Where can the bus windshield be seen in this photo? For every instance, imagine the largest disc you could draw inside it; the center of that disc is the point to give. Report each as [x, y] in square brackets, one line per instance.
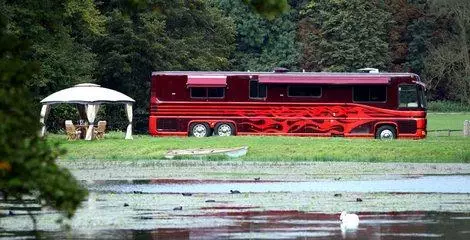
[422, 97]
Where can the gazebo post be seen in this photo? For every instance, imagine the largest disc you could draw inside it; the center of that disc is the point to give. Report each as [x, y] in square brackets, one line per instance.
[44, 112]
[129, 117]
[91, 111]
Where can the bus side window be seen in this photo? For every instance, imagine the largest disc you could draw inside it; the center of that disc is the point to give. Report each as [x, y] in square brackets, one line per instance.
[211, 92]
[198, 92]
[257, 90]
[217, 92]
[370, 94]
[304, 91]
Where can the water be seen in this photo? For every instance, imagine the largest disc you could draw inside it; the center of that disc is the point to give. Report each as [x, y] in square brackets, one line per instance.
[294, 225]
[427, 207]
[427, 184]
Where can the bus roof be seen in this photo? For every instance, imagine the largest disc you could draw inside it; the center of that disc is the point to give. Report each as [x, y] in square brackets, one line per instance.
[293, 74]
[295, 77]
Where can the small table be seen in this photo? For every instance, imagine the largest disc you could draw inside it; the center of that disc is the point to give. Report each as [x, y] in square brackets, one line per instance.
[82, 128]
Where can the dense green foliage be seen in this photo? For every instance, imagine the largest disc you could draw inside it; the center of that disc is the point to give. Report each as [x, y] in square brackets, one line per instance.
[448, 106]
[268, 8]
[263, 44]
[161, 36]
[27, 163]
[119, 43]
[58, 31]
[345, 35]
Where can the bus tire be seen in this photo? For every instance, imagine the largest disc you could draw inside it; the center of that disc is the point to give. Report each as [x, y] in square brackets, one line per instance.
[199, 130]
[224, 129]
[386, 132]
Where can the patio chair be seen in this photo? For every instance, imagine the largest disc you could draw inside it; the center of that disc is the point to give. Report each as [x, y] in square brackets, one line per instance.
[100, 129]
[72, 132]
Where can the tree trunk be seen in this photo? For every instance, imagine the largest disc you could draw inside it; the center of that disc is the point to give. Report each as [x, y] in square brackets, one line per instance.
[461, 21]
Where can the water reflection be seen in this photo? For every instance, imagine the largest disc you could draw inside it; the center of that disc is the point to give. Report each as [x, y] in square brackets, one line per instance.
[348, 233]
[294, 225]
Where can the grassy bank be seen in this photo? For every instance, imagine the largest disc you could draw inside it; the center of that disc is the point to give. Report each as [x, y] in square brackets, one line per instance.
[432, 149]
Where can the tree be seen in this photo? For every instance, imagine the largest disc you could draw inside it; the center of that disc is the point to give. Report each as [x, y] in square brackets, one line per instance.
[403, 13]
[420, 35]
[59, 33]
[263, 44]
[344, 35]
[27, 163]
[157, 36]
[268, 8]
[448, 63]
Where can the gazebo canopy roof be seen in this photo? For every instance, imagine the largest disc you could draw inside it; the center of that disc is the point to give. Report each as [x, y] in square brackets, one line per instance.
[87, 93]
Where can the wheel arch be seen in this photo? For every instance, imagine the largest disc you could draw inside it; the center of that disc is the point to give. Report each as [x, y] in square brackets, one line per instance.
[380, 124]
[235, 129]
[190, 123]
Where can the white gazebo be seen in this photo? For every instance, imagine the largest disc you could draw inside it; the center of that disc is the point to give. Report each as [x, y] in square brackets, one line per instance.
[91, 96]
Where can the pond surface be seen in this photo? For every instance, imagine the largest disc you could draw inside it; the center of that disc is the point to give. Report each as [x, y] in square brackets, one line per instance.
[425, 184]
[418, 207]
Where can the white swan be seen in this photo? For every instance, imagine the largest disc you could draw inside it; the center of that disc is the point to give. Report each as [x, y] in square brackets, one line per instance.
[349, 221]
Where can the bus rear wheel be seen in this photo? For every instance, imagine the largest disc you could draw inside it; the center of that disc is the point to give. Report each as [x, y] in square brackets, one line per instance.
[199, 130]
[386, 132]
[224, 129]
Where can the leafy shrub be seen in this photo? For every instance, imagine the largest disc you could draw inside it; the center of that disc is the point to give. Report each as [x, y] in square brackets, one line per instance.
[27, 162]
[448, 106]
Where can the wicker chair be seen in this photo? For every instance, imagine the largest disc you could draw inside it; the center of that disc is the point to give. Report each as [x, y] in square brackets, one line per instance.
[100, 129]
[72, 132]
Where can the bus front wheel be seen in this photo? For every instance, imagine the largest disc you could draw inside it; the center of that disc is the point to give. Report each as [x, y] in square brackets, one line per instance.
[224, 129]
[199, 130]
[386, 132]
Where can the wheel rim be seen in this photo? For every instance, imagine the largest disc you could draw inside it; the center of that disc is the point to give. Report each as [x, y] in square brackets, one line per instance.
[224, 130]
[386, 134]
[199, 130]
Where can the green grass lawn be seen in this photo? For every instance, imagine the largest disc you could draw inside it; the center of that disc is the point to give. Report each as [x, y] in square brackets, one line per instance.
[431, 149]
[438, 121]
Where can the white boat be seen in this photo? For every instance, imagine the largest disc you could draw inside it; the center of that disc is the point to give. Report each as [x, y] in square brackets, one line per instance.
[230, 152]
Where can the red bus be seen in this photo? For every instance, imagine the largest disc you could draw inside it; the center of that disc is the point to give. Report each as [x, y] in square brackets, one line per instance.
[201, 104]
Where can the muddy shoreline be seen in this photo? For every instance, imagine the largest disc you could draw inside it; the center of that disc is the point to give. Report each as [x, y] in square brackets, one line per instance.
[246, 170]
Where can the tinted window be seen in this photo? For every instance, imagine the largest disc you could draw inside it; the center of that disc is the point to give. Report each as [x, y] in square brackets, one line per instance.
[215, 92]
[257, 90]
[253, 89]
[198, 92]
[262, 89]
[304, 91]
[370, 94]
